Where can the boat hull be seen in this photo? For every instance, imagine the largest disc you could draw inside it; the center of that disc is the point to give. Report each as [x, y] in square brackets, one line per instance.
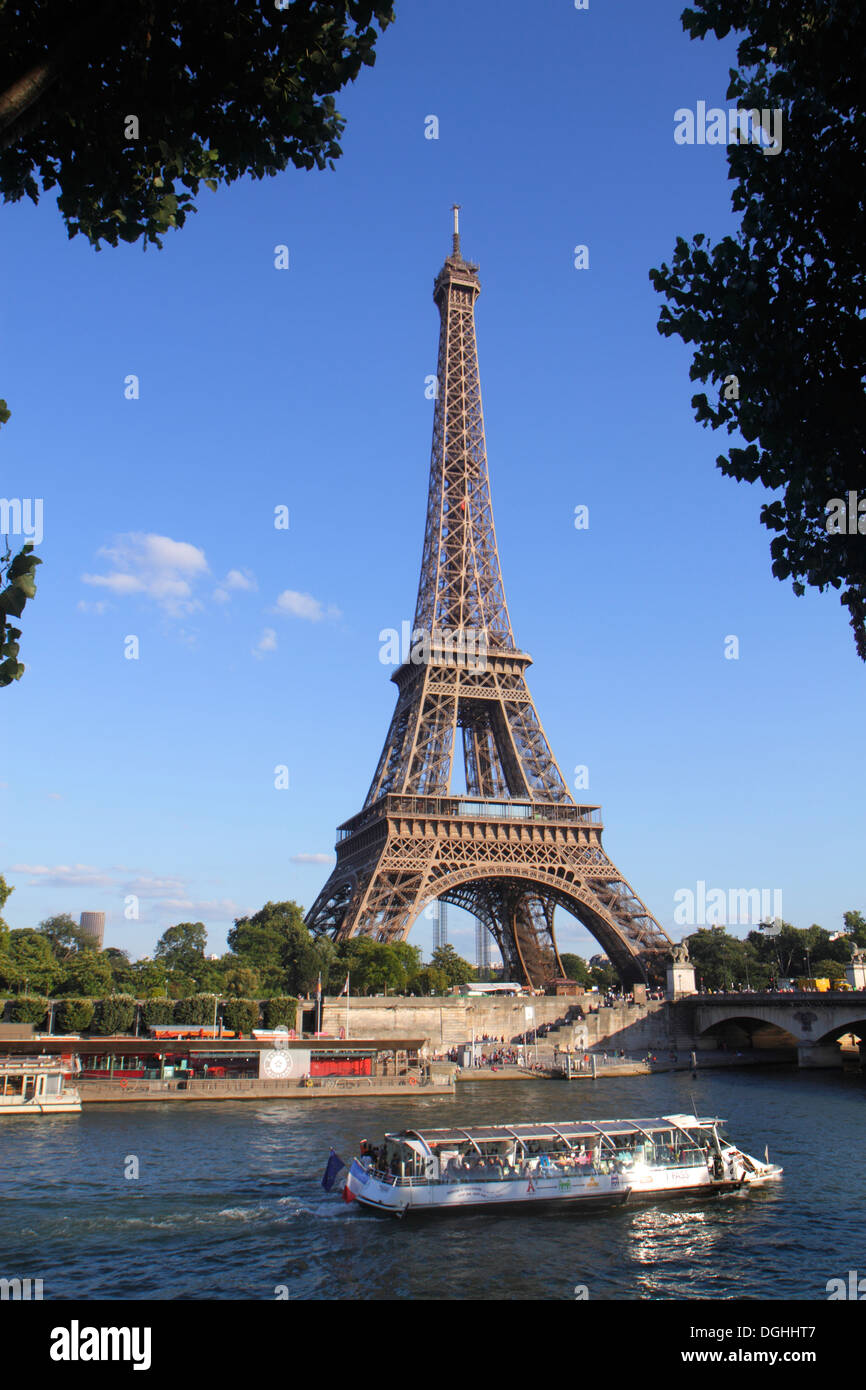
[41, 1107]
[538, 1194]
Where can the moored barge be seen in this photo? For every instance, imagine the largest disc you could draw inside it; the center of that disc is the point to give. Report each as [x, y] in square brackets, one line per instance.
[36, 1086]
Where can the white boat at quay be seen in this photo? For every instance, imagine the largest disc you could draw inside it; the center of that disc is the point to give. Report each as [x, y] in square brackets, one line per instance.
[36, 1086]
[577, 1164]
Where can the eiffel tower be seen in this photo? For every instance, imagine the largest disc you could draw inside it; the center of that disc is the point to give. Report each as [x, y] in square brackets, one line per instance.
[513, 845]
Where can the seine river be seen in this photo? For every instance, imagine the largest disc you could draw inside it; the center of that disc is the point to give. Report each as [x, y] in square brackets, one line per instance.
[228, 1201]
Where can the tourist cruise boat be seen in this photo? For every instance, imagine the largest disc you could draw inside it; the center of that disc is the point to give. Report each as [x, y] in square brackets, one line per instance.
[582, 1164]
[36, 1086]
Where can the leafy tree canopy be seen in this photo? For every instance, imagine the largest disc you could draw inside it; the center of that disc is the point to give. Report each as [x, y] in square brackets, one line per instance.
[374, 967]
[604, 976]
[855, 927]
[126, 109]
[149, 978]
[182, 948]
[33, 958]
[240, 982]
[778, 308]
[575, 968]
[217, 90]
[88, 974]
[5, 893]
[65, 935]
[17, 585]
[457, 970]
[276, 944]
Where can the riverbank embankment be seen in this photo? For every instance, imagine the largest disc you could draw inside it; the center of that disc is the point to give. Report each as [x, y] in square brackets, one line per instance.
[110, 1092]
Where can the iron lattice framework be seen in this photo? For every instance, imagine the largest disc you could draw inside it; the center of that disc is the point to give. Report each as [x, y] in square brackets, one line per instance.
[514, 844]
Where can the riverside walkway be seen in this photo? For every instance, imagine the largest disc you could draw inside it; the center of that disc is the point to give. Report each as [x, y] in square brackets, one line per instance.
[116, 1092]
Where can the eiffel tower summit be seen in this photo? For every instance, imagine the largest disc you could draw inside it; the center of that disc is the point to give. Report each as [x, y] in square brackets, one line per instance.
[468, 804]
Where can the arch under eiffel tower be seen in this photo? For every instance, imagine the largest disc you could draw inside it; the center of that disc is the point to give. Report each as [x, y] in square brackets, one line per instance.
[514, 845]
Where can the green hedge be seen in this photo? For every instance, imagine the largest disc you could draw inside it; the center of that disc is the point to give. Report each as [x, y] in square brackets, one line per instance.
[197, 1009]
[280, 1013]
[241, 1015]
[158, 1011]
[27, 1008]
[115, 1014]
[74, 1015]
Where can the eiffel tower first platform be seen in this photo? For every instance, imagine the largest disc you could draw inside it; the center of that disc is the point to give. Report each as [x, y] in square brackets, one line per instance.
[513, 845]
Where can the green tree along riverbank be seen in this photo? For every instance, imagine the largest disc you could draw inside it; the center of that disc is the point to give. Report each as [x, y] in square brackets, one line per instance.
[272, 959]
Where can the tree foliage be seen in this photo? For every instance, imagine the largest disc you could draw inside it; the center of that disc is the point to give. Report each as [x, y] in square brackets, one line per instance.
[373, 967]
[33, 959]
[197, 1008]
[280, 1012]
[241, 1015]
[5, 893]
[149, 978]
[28, 1008]
[115, 1014]
[157, 1011]
[127, 109]
[575, 968]
[428, 980]
[65, 935]
[182, 948]
[761, 959]
[218, 90]
[88, 973]
[457, 970]
[780, 305]
[74, 1015]
[17, 585]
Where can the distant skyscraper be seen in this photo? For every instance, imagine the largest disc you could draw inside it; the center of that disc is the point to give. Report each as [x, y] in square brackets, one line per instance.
[482, 950]
[440, 926]
[93, 925]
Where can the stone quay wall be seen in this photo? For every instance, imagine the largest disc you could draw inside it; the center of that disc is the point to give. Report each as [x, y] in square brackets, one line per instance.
[450, 1021]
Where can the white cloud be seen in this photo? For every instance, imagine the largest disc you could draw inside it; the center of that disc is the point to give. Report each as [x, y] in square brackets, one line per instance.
[311, 858]
[266, 643]
[222, 909]
[148, 886]
[242, 581]
[168, 897]
[63, 875]
[298, 605]
[157, 567]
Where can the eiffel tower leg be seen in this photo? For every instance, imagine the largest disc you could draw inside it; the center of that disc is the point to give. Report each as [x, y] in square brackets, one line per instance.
[379, 895]
[520, 919]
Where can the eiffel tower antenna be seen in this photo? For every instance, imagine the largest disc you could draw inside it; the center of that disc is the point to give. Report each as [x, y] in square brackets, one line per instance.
[467, 803]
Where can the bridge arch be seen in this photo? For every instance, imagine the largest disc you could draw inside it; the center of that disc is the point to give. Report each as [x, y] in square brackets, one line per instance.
[839, 1030]
[741, 1030]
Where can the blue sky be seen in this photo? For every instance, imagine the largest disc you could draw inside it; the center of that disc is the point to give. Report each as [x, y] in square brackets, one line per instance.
[304, 388]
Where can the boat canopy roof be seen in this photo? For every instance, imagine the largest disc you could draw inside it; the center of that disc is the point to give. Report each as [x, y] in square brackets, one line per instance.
[570, 1130]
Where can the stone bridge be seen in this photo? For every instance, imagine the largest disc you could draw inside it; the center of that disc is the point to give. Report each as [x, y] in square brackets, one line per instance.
[810, 1022]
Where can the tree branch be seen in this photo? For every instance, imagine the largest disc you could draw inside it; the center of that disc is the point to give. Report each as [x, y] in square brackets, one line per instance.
[28, 89]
